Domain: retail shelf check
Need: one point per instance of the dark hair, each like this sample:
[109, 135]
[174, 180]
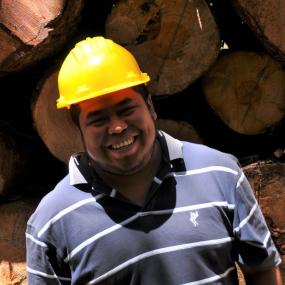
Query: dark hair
[74, 113]
[142, 90]
[75, 109]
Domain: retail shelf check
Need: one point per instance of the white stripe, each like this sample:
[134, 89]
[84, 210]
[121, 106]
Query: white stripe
[157, 180]
[266, 239]
[189, 208]
[245, 220]
[211, 279]
[240, 180]
[279, 261]
[66, 211]
[204, 170]
[54, 276]
[99, 235]
[35, 240]
[142, 214]
[157, 252]
[76, 161]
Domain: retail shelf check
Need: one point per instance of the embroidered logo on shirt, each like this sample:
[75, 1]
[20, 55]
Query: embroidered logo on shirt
[193, 217]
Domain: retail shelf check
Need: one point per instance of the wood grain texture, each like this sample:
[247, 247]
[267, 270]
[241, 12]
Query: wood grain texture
[174, 41]
[33, 30]
[13, 220]
[247, 91]
[54, 126]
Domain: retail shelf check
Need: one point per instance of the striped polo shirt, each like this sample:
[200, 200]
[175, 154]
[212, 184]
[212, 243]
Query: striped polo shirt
[199, 217]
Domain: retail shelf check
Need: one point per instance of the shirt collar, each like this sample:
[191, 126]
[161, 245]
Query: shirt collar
[171, 147]
[75, 175]
[174, 146]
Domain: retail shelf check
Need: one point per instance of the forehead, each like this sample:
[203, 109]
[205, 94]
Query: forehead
[110, 100]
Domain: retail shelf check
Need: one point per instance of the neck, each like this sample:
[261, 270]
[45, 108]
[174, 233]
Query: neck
[135, 186]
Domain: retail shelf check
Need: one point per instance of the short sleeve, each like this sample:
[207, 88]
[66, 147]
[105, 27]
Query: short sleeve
[254, 245]
[43, 266]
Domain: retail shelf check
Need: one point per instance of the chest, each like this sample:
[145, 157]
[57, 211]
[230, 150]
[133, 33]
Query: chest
[117, 242]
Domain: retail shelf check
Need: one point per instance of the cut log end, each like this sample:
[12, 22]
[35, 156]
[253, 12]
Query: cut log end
[180, 130]
[54, 126]
[246, 90]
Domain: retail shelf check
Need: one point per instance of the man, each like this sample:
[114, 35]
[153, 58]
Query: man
[138, 206]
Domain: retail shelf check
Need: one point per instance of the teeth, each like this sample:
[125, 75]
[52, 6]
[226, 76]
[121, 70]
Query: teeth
[124, 143]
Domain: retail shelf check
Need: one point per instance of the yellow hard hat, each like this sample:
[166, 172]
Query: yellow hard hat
[94, 67]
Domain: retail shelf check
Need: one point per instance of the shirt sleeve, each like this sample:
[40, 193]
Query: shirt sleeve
[43, 266]
[254, 245]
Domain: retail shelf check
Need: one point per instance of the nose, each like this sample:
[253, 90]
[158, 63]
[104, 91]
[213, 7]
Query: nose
[117, 125]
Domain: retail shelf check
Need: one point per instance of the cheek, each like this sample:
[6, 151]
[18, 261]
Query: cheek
[149, 128]
[93, 138]
[146, 121]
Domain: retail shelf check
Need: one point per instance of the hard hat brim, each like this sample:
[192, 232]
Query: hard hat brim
[62, 103]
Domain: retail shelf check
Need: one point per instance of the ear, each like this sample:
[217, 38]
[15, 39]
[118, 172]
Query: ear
[151, 107]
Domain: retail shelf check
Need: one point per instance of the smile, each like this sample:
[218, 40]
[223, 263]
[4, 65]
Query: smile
[123, 143]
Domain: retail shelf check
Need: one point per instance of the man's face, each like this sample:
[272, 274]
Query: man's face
[118, 131]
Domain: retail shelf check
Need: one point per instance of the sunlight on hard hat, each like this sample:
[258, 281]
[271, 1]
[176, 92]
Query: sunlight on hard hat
[95, 59]
[82, 88]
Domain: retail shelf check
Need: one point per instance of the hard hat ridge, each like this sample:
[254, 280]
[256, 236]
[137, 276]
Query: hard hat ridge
[83, 50]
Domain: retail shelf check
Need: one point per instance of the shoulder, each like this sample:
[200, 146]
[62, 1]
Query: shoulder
[215, 173]
[56, 201]
[199, 155]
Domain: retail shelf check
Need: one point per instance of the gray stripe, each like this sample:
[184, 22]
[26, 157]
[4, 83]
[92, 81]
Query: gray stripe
[157, 252]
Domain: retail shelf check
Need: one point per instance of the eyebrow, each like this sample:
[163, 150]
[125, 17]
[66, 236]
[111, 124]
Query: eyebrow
[98, 112]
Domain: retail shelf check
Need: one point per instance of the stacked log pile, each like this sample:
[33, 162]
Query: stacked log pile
[217, 69]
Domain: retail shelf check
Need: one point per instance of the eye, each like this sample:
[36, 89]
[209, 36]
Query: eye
[96, 121]
[127, 111]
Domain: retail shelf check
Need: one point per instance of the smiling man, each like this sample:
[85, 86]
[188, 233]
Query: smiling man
[139, 206]
[119, 137]
[118, 134]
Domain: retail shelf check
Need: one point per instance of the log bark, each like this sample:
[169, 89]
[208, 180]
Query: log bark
[54, 126]
[174, 41]
[267, 179]
[13, 220]
[180, 130]
[246, 90]
[32, 31]
[266, 19]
